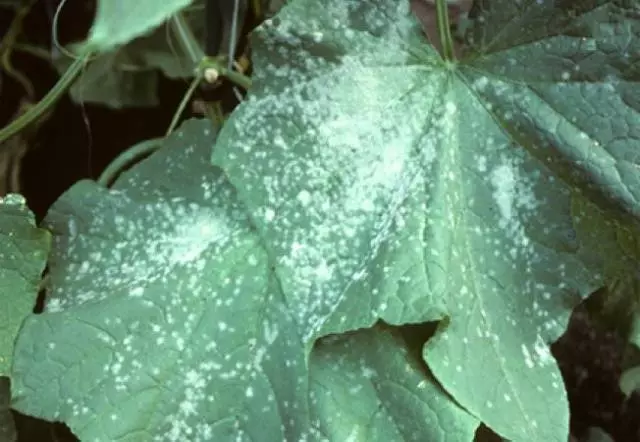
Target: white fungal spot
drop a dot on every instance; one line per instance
(503, 180)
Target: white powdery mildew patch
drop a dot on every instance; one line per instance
(146, 246)
(192, 236)
(334, 189)
(514, 198)
(504, 182)
(180, 283)
(539, 355)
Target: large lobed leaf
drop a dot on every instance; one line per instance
(165, 322)
(162, 318)
(390, 184)
(562, 79)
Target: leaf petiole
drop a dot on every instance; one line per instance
(128, 158)
(444, 29)
(183, 104)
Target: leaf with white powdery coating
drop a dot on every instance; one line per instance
(563, 79)
(23, 255)
(163, 321)
(384, 186)
(304, 154)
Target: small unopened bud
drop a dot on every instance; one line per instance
(211, 75)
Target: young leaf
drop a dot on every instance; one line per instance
(163, 320)
(23, 256)
(357, 137)
(117, 22)
(127, 76)
(108, 80)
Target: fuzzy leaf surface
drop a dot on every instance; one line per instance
(164, 321)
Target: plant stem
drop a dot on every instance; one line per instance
(190, 45)
(186, 39)
(11, 35)
(183, 103)
(126, 158)
(47, 101)
(34, 51)
(444, 29)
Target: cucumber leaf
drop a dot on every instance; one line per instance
(561, 79)
(390, 184)
(398, 399)
(163, 320)
(23, 256)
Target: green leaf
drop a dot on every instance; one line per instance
(389, 184)
(630, 381)
(634, 336)
(366, 386)
(23, 256)
(618, 257)
(321, 199)
(554, 74)
(117, 22)
(111, 81)
(163, 320)
(7, 424)
(128, 75)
